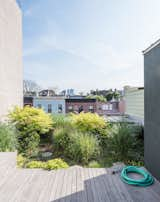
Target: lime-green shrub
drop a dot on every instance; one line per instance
(49, 165)
(56, 164)
(88, 122)
(30, 122)
(36, 164)
(8, 141)
(94, 164)
(21, 161)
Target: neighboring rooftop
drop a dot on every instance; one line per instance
(153, 45)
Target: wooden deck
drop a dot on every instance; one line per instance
(75, 184)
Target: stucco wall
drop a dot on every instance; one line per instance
(134, 102)
(44, 102)
(11, 85)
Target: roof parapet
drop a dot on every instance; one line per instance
(153, 45)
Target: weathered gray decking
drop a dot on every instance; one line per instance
(69, 185)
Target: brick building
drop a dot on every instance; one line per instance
(79, 105)
(28, 101)
(108, 108)
(94, 106)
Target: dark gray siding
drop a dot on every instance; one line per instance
(152, 110)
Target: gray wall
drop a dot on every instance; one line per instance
(152, 110)
(11, 92)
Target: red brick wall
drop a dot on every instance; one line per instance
(107, 111)
(77, 105)
(121, 107)
(117, 107)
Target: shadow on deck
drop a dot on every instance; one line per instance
(75, 184)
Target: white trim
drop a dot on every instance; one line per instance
(151, 47)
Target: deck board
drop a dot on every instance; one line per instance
(74, 184)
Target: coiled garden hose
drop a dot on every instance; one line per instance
(143, 182)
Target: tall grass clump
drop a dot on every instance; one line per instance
(123, 142)
(84, 148)
(78, 147)
(61, 121)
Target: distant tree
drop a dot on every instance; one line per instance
(109, 95)
(99, 98)
(30, 86)
(116, 94)
(81, 93)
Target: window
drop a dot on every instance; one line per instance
(49, 108)
(110, 107)
(91, 109)
(104, 107)
(39, 106)
(70, 107)
(60, 108)
(76, 108)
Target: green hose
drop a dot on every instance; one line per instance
(143, 182)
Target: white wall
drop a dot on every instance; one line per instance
(11, 85)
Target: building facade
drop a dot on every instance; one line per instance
(54, 105)
(134, 103)
(108, 108)
(92, 105)
(28, 101)
(152, 110)
(80, 104)
(11, 73)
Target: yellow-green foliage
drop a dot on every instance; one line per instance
(30, 122)
(56, 164)
(49, 165)
(36, 164)
(88, 122)
(21, 161)
(31, 118)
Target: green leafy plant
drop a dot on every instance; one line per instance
(8, 140)
(31, 123)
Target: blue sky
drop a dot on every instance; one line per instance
(87, 44)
